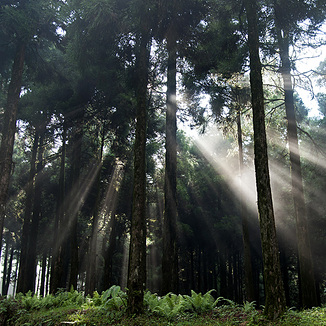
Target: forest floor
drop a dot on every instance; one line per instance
(72, 315)
(72, 308)
(94, 317)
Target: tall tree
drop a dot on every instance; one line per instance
(91, 274)
(23, 23)
(23, 285)
(170, 245)
(177, 21)
(59, 248)
(137, 251)
(8, 132)
(285, 24)
(274, 293)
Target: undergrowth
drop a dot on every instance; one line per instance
(109, 308)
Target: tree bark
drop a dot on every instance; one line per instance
(274, 293)
(137, 253)
(23, 285)
(108, 253)
(9, 270)
(170, 245)
(9, 129)
(5, 266)
(59, 235)
(75, 205)
(92, 255)
(34, 230)
(44, 260)
(307, 277)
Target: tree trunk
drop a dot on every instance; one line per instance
(23, 284)
(43, 275)
(9, 269)
(5, 265)
(92, 255)
(108, 255)
(249, 279)
(75, 201)
(9, 129)
(170, 246)
(274, 293)
(137, 253)
(223, 276)
(307, 278)
(58, 248)
(32, 243)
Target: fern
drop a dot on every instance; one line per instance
(199, 303)
(114, 298)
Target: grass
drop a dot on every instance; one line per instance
(109, 308)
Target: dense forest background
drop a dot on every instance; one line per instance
(74, 78)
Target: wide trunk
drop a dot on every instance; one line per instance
(137, 253)
(170, 246)
(307, 277)
(9, 129)
(274, 293)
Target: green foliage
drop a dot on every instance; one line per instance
(109, 308)
(201, 303)
(172, 305)
(61, 299)
(114, 299)
(168, 306)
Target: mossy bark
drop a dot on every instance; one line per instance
(137, 252)
(170, 246)
(9, 129)
(274, 293)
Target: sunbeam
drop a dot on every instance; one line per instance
(210, 147)
(75, 199)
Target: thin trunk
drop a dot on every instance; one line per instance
(92, 255)
(8, 131)
(75, 204)
(5, 265)
(23, 284)
(199, 271)
(230, 272)
(137, 251)
(108, 254)
(48, 275)
(58, 247)
(223, 275)
(16, 272)
(170, 246)
(5, 290)
(307, 278)
(42, 287)
(109, 250)
(205, 273)
(249, 279)
(32, 244)
(192, 270)
(285, 275)
(274, 292)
